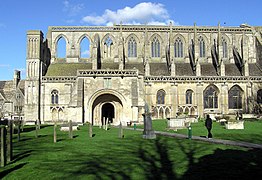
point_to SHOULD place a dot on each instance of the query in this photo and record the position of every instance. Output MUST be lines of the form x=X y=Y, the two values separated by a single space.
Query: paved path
x=216 y=141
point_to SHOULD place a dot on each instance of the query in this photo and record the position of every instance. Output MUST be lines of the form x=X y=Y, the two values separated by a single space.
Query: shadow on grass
x=156 y=164
x=228 y=164
x=6 y=172
x=136 y=158
x=20 y=156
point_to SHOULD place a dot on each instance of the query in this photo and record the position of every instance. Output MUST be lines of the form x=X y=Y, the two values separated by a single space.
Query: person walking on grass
x=208 y=124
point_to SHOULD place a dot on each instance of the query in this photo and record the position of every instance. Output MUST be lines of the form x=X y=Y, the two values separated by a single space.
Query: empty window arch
x=108 y=43
x=85 y=48
x=61 y=48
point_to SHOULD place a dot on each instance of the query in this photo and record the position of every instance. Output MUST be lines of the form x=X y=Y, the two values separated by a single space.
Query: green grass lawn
x=105 y=156
x=251 y=133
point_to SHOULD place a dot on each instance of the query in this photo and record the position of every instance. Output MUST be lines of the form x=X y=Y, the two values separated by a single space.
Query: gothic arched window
x=202 y=47
x=235 y=98
x=61 y=48
x=54 y=97
x=155 y=47
x=132 y=47
x=210 y=97
x=178 y=48
x=85 y=48
x=189 y=97
x=108 y=46
x=224 y=45
x=160 y=96
x=259 y=96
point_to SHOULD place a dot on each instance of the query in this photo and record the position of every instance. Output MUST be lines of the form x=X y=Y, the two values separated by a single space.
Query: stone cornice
x=107 y=73
x=142 y=28
x=209 y=79
x=59 y=79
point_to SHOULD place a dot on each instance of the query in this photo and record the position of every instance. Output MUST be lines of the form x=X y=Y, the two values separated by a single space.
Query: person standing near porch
x=208 y=124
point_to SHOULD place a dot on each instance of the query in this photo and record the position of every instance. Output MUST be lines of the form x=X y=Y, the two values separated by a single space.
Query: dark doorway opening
x=108 y=111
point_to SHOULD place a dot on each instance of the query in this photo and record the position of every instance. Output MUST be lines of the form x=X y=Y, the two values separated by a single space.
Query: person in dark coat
x=208 y=124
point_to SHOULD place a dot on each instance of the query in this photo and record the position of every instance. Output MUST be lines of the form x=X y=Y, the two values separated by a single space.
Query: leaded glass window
x=132 y=47
x=210 y=97
x=155 y=47
x=202 y=47
x=178 y=48
x=259 y=96
x=189 y=96
x=225 y=50
x=161 y=96
x=235 y=98
x=54 y=97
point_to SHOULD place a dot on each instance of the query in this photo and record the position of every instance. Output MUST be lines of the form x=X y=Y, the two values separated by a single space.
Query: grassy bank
x=105 y=156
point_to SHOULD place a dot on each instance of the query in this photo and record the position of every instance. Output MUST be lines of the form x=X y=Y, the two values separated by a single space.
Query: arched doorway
x=107 y=106
x=108 y=112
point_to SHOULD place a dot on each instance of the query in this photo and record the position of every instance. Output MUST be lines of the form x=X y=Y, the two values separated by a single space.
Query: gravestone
x=10 y=141
x=3 y=146
x=148 y=132
x=90 y=130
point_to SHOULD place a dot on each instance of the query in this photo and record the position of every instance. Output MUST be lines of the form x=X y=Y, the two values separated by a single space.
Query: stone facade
x=174 y=69
x=12 y=97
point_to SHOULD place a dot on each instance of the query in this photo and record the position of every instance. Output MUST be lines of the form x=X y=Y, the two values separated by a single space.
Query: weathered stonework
x=174 y=69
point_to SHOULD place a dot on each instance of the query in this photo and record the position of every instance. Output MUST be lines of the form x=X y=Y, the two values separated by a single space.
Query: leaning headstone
x=36 y=129
x=3 y=146
x=10 y=141
x=55 y=132
x=148 y=132
x=120 y=133
x=106 y=124
x=70 y=129
x=90 y=130
x=18 y=130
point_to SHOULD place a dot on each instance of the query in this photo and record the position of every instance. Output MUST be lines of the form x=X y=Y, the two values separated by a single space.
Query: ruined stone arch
x=81 y=38
x=57 y=39
x=109 y=44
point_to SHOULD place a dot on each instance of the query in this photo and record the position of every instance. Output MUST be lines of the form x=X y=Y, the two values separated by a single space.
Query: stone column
x=174 y=100
x=224 y=98
x=222 y=69
x=134 y=113
x=199 y=99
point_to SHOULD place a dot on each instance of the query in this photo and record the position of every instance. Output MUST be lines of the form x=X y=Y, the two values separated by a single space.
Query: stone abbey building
x=174 y=69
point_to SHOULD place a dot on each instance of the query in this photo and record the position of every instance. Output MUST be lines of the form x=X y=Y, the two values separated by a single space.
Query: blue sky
x=18 y=16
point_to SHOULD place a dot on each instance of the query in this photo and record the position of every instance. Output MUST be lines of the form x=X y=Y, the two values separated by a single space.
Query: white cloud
x=85 y=53
x=143 y=13
x=4 y=65
x=72 y=9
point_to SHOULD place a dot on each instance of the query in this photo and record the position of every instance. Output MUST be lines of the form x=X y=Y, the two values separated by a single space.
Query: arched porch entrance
x=107 y=106
x=108 y=112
